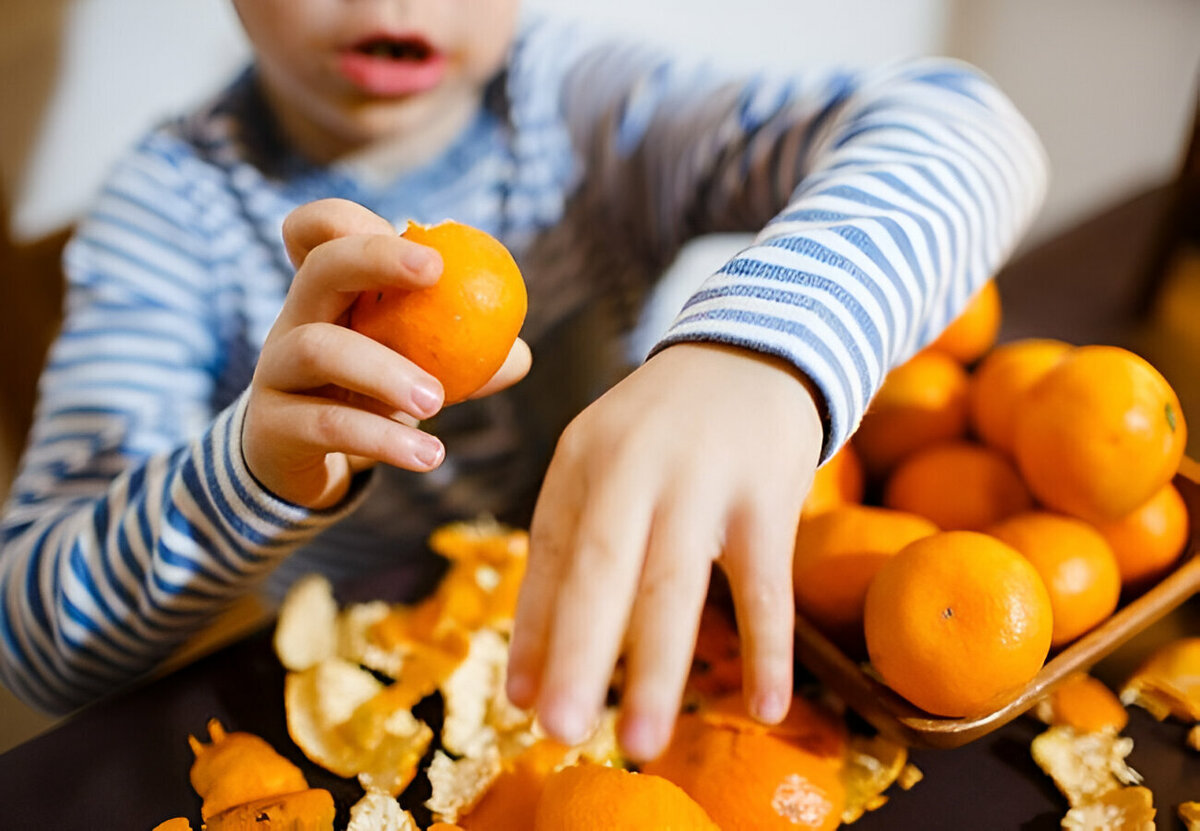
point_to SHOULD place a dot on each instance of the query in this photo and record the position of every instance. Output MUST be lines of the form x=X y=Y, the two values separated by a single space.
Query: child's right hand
x=326 y=401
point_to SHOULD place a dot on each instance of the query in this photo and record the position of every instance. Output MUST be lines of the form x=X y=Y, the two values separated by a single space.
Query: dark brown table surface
x=123 y=763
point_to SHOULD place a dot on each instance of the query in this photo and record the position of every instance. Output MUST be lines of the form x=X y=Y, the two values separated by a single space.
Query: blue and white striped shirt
x=882 y=199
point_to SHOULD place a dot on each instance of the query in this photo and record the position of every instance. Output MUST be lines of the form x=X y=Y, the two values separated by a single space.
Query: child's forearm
x=94 y=593
x=913 y=193
x=888 y=198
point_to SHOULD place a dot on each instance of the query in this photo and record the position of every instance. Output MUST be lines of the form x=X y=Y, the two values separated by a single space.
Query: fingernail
x=429 y=451
x=642 y=738
x=419 y=259
x=519 y=688
x=770 y=707
x=565 y=722
x=426 y=400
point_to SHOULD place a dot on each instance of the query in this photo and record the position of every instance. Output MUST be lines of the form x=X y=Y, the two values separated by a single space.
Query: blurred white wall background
x=1107 y=83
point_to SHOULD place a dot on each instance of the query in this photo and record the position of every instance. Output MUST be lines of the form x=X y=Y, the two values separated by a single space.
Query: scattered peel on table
x=1085 y=703
x=174 y=824
x=1123 y=809
x=1189 y=813
x=1168 y=682
x=235 y=768
x=346 y=720
x=310 y=810
x=459 y=784
x=379 y=812
x=873 y=764
x=306 y=631
x=1084 y=766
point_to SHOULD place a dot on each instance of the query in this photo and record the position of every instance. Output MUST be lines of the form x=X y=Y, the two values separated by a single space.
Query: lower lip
x=384 y=76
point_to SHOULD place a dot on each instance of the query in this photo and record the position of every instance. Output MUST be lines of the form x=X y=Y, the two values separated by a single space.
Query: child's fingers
x=336 y=271
x=317 y=222
x=662 y=630
x=591 y=611
x=319 y=354
x=551 y=533
x=310 y=426
x=757 y=560
x=515 y=366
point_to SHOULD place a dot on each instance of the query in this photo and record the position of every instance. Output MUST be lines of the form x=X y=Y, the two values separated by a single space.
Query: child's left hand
x=703 y=454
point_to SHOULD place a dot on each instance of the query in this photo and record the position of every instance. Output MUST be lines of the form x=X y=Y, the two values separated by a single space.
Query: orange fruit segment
x=974 y=331
x=461 y=328
x=957 y=623
x=511 y=800
x=588 y=796
x=837 y=555
x=1099 y=434
x=751 y=776
x=958 y=485
x=1149 y=539
x=922 y=401
x=1000 y=381
x=1076 y=564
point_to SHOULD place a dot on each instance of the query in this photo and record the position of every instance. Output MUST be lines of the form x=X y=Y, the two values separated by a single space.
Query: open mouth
x=388 y=65
x=414 y=50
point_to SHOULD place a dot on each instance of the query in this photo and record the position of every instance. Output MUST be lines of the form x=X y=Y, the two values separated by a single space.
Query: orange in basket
x=837 y=555
x=1001 y=379
x=1099 y=434
x=1148 y=540
x=957 y=623
x=460 y=329
x=1076 y=564
x=837 y=482
x=973 y=332
x=922 y=401
x=959 y=485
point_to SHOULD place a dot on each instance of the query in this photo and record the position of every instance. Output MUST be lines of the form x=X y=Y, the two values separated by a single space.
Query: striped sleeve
x=133 y=517
x=882 y=201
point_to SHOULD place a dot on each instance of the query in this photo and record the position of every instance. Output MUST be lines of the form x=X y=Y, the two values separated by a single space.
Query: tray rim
x=902 y=721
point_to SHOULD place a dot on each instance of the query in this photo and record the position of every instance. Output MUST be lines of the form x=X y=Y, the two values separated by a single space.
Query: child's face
x=341 y=74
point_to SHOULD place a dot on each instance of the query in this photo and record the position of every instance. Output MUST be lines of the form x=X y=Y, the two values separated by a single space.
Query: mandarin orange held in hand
x=1099 y=434
x=460 y=329
x=973 y=332
x=1150 y=538
x=922 y=401
x=958 y=485
x=1076 y=563
x=957 y=623
x=1003 y=376
x=837 y=554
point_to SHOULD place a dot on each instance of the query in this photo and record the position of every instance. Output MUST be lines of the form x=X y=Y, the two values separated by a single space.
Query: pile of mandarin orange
x=1016 y=491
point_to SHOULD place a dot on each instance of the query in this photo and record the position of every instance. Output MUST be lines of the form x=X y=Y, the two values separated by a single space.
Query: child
x=189 y=442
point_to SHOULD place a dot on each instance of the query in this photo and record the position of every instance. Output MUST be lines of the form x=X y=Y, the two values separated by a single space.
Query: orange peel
x=1168 y=682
